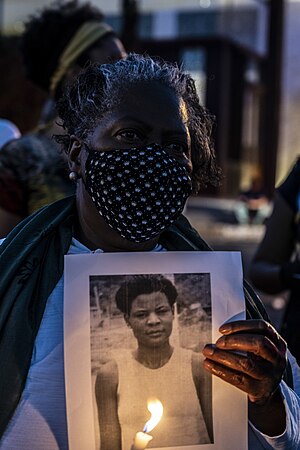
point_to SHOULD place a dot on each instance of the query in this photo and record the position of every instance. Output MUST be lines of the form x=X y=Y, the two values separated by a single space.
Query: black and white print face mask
x=139 y=192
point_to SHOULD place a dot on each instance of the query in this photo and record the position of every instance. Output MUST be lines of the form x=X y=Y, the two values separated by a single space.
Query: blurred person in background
x=8 y=131
x=252 y=205
x=276 y=264
x=56 y=44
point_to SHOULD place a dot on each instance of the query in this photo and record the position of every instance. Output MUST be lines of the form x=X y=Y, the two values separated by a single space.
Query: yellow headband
x=84 y=37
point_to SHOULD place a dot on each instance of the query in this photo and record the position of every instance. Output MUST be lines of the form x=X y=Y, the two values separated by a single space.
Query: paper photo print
x=147 y=332
x=135 y=325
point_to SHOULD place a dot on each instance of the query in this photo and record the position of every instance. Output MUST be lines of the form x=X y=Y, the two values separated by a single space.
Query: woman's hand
x=258 y=367
x=251 y=355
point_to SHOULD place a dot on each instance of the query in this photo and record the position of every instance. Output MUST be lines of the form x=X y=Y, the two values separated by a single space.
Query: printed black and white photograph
x=134 y=333
x=147 y=332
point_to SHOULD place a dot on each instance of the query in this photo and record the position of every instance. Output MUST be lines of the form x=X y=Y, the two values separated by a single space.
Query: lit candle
x=142 y=438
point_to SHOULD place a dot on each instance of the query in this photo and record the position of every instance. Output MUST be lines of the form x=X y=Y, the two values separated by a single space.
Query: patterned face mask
x=139 y=192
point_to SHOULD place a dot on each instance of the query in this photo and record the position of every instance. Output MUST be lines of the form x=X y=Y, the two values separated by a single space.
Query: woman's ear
x=75 y=148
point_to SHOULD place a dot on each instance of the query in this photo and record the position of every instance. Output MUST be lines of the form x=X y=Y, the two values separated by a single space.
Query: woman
x=154 y=369
x=276 y=264
x=56 y=44
x=137 y=142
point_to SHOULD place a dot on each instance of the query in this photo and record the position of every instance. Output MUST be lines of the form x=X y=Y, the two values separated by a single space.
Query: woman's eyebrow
x=132 y=120
x=141 y=308
x=138 y=311
x=171 y=131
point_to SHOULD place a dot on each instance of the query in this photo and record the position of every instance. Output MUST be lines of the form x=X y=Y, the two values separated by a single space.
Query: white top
x=39 y=422
x=182 y=423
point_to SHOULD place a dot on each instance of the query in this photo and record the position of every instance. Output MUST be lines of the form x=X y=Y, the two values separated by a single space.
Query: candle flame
x=156 y=409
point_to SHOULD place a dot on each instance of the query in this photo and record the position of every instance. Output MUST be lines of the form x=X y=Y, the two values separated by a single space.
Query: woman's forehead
x=151 y=102
x=142 y=91
x=153 y=298
x=106 y=50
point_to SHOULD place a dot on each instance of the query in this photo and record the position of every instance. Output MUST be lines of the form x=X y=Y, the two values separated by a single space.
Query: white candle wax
x=141 y=441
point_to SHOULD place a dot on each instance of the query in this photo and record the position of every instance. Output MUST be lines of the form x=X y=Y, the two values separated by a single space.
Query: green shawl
x=31 y=263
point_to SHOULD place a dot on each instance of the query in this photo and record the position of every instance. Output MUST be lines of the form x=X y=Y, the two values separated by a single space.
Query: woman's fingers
x=250 y=355
x=237 y=362
x=258 y=390
x=256 y=326
x=256 y=344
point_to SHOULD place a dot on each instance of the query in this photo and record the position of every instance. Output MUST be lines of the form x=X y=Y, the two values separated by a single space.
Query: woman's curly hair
x=99 y=89
x=48 y=32
x=136 y=285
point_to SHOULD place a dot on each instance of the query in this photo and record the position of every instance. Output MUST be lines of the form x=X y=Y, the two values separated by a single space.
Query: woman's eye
x=129 y=135
x=140 y=315
x=163 y=311
x=177 y=147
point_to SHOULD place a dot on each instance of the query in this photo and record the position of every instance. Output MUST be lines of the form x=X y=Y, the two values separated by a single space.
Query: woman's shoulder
x=107 y=367
x=107 y=373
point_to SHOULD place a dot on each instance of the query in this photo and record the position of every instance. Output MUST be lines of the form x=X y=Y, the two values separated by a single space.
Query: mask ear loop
x=90 y=151
x=73 y=176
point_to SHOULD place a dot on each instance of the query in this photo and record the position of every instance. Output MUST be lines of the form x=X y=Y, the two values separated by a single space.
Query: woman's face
x=151 y=319
x=107 y=50
x=147 y=113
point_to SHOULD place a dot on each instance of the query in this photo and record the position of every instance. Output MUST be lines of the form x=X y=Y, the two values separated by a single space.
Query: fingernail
x=208 y=364
x=221 y=342
x=209 y=350
x=225 y=328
